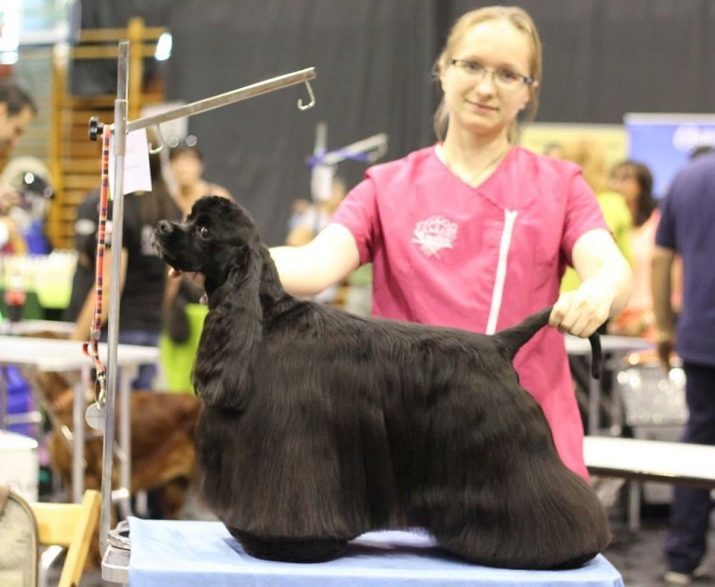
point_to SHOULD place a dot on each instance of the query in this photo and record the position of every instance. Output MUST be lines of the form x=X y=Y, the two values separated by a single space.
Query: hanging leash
x=91 y=347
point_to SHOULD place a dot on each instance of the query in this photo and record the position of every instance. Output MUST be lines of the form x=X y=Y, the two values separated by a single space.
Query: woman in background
x=635 y=181
x=588 y=154
x=187 y=168
x=143 y=273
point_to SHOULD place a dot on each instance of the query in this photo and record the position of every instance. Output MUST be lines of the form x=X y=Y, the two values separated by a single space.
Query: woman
x=635 y=181
x=187 y=167
x=589 y=155
x=474 y=232
x=143 y=273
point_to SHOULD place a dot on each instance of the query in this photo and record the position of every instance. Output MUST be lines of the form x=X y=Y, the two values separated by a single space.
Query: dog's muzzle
x=162 y=231
x=164 y=227
x=172 y=244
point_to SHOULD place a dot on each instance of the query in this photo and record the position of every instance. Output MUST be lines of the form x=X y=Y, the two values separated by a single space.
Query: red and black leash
x=91 y=347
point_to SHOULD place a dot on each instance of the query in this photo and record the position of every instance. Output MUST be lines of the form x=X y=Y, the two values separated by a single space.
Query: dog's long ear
x=223 y=373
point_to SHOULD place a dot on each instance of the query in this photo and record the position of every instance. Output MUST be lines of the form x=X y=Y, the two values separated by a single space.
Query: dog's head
x=214 y=239
x=220 y=240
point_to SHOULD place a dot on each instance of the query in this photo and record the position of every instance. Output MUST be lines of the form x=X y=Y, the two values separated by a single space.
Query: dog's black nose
x=164 y=227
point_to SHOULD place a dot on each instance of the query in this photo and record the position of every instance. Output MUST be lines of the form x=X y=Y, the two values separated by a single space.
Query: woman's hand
x=605 y=287
x=197 y=278
x=583 y=311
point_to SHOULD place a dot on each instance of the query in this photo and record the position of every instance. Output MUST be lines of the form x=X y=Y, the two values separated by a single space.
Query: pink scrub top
x=479 y=259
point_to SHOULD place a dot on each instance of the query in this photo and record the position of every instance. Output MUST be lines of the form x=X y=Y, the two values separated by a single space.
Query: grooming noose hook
x=310 y=104
x=154 y=150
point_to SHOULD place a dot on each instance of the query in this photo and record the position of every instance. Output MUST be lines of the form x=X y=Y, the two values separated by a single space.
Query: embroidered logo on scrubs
x=434 y=234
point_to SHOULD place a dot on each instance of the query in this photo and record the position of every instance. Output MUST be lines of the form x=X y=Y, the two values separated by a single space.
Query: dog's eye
x=203 y=232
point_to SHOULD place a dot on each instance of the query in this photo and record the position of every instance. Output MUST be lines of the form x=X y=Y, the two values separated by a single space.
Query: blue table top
x=191 y=553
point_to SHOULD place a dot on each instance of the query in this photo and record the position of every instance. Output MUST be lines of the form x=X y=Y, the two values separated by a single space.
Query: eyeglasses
x=504 y=78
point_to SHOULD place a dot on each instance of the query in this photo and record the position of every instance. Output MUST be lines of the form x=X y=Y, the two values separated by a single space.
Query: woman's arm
x=605 y=288
x=315 y=266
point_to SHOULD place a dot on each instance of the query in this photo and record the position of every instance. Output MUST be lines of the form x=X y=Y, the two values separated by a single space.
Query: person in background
x=85 y=242
x=553 y=149
x=701 y=150
x=187 y=167
x=17 y=111
x=635 y=181
x=474 y=232
x=143 y=273
x=316 y=216
x=686 y=228
x=589 y=156
x=311 y=221
x=298 y=208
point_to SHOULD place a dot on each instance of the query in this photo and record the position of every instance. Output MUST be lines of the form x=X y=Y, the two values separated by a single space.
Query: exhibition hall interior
x=357 y=292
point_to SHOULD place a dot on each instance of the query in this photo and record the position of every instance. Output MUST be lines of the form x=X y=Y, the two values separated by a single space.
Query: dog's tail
x=515 y=337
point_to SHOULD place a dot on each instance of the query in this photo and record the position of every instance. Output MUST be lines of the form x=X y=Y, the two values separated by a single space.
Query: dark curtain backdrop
x=373 y=58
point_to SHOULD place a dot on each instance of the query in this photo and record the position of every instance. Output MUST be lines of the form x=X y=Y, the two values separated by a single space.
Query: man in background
x=686 y=228
x=17 y=110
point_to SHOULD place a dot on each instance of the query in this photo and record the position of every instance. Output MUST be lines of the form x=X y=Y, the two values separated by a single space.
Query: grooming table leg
x=78 y=409
x=634 y=506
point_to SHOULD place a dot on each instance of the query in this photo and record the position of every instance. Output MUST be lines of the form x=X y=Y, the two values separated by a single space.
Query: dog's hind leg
x=286 y=550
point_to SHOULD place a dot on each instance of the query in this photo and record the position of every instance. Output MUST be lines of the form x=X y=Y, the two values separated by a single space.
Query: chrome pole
x=120 y=134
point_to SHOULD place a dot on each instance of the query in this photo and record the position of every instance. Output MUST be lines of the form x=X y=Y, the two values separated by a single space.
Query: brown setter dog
x=162 y=437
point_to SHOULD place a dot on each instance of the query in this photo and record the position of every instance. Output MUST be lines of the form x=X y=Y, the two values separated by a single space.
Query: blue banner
x=664 y=142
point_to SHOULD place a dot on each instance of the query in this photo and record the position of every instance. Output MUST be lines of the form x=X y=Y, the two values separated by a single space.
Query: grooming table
x=33 y=327
x=181 y=553
x=45 y=354
x=649 y=460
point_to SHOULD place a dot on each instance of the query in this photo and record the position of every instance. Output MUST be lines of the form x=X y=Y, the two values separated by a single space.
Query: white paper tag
x=137 y=177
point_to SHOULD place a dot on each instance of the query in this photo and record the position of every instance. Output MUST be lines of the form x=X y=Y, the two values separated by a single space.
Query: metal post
x=120 y=134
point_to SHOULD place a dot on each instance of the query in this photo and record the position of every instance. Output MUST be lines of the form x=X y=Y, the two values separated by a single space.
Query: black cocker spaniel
x=319 y=425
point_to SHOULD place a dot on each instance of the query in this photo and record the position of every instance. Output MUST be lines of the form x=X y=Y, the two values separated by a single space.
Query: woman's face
x=478 y=102
x=187 y=168
x=624 y=180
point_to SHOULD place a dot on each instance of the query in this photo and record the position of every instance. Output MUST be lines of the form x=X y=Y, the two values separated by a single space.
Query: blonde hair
x=588 y=154
x=520 y=20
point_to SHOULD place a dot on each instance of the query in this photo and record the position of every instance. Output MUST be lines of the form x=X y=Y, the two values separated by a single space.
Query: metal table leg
x=78 y=410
